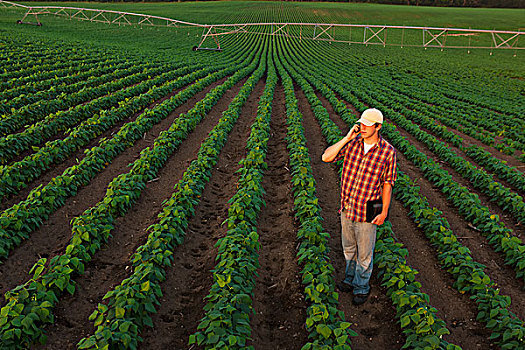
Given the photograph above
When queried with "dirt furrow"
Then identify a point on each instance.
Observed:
(457, 310)
(58, 169)
(481, 251)
(463, 155)
(369, 319)
(278, 322)
(190, 279)
(53, 236)
(111, 265)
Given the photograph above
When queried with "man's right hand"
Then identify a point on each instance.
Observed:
(354, 131)
(331, 152)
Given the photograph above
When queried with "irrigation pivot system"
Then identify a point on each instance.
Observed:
(95, 15)
(385, 35)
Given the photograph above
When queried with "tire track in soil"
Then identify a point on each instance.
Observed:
(278, 301)
(369, 319)
(457, 310)
(190, 279)
(111, 264)
(54, 235)
(71, 160)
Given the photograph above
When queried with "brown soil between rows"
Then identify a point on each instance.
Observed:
(111, 264)
(53, 236)
(457, 310)
(481, 251)
(506, 217)
(190, 279)
(278, 300)
(367, 320)
(58, 169)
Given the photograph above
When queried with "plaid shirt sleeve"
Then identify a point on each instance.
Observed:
(342, 152)
(390, 171)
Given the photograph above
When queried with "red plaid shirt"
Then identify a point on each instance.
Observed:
(363, 175)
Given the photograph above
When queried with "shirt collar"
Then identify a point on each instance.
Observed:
(380, 141)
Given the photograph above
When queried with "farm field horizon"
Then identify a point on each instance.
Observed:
(157, 197)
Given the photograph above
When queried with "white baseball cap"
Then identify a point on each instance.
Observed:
(371, 116)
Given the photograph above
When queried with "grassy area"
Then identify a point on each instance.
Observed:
(358, 13)
(164, 43)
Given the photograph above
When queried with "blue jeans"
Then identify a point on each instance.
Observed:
(358, 239)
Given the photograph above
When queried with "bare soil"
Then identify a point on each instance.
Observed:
(278, 301)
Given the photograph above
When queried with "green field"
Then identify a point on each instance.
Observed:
(156, 197)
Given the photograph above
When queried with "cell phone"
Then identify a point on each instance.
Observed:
(358, 129)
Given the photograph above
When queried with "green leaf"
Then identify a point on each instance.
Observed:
(120, 312)
(144, 287)
(324, 330)
(232, 339)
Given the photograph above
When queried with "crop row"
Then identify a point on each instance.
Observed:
(99, 74)
(226, 323)
(25, 94)
(48, 71)
(511, 328)
(417, 318)
(36, 111)
(31, 71)
(128, 306)
(468, 203)
(326, 325)
(52, 124)
(21, 219)
(30, 304)
(15, 57)
(18, 174)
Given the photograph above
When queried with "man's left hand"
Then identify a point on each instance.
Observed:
(380, 219)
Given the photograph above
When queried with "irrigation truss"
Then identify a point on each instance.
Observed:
(385, 35)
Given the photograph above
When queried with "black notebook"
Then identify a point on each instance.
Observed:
(373, 209)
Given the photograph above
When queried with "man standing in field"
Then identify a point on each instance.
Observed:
(369, 172)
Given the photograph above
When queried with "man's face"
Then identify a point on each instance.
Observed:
(369, 131)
